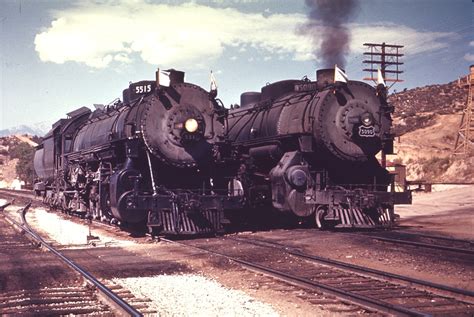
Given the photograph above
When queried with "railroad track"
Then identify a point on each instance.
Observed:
(23, 197)
(423, 241)
(90, 297)
(375, 290)
(379, 291)
(388, 236)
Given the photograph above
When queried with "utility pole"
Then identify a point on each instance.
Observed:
(386, 58)
(465, 135)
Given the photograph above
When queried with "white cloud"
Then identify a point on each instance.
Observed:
(414, 42)
(469, 57)
(192, 35)
(230, 2)
(122, 57)
(188, 35)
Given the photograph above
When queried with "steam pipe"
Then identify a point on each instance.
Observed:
(155, 193)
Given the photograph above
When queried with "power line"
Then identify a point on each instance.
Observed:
(386, 58)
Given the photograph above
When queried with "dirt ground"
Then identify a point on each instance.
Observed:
(449, 212)
(421, 148)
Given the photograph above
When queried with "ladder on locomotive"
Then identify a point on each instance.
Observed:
(465, 136)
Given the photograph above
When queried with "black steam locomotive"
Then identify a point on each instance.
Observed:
(309, 149)
(148, 160)
(171, 157)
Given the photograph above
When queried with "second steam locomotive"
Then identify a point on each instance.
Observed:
(172, 158)
(309, 149)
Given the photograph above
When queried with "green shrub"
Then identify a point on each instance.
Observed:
(25, 155)
(435, 166)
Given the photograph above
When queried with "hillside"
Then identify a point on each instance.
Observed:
(426, 119)
(16, 160)
(416, 108)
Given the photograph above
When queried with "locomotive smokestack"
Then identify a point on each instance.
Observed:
(334, 38)
(325, 77)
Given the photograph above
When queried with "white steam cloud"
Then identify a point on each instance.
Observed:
(192, 35)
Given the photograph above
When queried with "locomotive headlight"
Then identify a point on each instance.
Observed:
(367, 119)
(191, 125)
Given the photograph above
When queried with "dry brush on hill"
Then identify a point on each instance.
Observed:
(426, 119)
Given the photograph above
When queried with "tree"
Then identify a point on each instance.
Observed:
(36, 139)
(25, 155)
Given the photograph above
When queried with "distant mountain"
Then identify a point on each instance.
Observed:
(39, 129)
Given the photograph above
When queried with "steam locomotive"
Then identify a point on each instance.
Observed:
(172, 158)
(146, 160)
(309, 149)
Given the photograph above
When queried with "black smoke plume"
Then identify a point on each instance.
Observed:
(330, 16)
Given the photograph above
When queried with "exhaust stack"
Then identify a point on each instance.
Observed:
(325, 77)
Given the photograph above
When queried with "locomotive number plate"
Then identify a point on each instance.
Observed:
(309, 86)
(366, 132)
(138, 89)
(143, 89)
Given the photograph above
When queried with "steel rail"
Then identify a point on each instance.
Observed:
(117, 301)
(421, 244)
(2, 207)
(432, 236)
(353, 267)
(357, 299)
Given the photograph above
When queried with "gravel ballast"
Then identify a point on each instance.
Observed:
(171, 295)
(69, 233)
(194, 295)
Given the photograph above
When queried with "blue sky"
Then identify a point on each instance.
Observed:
(60, 55)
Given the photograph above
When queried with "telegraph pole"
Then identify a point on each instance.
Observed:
(385, 57)
(465, 135)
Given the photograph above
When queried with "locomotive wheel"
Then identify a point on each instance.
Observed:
(322, 223)
(105, 209)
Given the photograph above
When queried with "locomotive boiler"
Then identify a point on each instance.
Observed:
(309, 149)
(146, 160)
